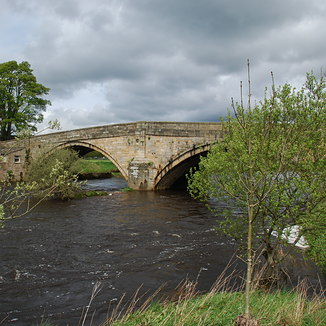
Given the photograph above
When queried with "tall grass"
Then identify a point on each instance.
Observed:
(222, 305)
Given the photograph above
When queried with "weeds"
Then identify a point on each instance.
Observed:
(95, 292)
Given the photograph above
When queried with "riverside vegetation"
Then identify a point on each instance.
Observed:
(270, 169)
(94, 165)
(219, 309)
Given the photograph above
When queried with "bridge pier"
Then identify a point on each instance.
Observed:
(141, 175)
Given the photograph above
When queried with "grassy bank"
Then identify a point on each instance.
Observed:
(221, 309)
(277, 308)
(86, 166)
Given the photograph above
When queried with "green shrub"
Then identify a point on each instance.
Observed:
(56, 173)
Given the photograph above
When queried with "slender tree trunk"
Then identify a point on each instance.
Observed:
(3, 132)
(8, 132)
(249, 260)
(250, 206)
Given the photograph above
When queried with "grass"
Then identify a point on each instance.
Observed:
(126, 189)
(222, 308)
(95, 166)
(219, 307)
(89, 193)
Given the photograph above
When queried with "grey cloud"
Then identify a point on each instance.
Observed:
(165, 60)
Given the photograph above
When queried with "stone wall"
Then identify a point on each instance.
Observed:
(12, 161)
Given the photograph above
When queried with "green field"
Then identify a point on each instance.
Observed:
(84, 166)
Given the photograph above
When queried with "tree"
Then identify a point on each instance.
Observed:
(270, 169)
(21, 101)
(55, 168)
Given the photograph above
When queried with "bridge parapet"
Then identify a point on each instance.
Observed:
(177, 129)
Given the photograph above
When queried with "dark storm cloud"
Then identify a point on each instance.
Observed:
(126, 60)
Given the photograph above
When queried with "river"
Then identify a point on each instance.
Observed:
(51, 258)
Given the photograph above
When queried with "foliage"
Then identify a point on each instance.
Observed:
(55, 169)
(314, 230)
(17, 199)
(270, 169)
(21, 101)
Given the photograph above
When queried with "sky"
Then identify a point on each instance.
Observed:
(117, 61)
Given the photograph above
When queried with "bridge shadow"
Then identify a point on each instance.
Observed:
(176, 177)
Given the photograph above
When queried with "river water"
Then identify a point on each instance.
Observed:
(51, 259)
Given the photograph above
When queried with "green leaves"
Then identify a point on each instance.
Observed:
(55, 173)
(273, 160)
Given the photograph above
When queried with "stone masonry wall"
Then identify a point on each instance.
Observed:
(140, 150)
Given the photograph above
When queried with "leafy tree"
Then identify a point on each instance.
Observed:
(57, 168)
(270, 169)
(21, 101)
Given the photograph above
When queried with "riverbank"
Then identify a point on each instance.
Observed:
(221, 308)
(96, 169)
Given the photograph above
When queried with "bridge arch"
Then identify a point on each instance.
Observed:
(179, 167)
(91, 147)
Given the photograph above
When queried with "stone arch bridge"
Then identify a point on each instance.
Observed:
(149, 155)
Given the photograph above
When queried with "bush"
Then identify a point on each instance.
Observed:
(55, 173)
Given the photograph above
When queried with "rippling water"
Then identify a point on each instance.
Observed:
(51, 259)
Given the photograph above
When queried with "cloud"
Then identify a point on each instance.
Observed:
(124, 60)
